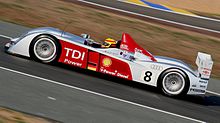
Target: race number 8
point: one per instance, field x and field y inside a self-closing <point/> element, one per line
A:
<point x="147" y="76"/>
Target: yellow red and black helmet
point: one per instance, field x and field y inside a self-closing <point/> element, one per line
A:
<point x="109" y="43"/>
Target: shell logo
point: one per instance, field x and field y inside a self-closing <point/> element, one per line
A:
<point x="107" y="62"/>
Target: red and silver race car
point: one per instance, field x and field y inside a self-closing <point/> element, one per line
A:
<point x="126" y="60"/>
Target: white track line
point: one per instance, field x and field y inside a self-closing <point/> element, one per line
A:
<point x="195" y="16"/>
<point x="137" y="14"/>
<point x="214" y="93"/>
<point x="4" y="36"/>
<point x="103" y="95"/>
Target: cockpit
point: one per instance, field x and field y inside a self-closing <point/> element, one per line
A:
<point x="107" y="43"/>
<point x="127" y="45"/>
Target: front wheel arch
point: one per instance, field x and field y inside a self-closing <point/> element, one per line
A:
<point x="56" y="41"/>
<point x="179" y="71"/>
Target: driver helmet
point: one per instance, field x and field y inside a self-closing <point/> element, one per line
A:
<point x="109" y="43"/>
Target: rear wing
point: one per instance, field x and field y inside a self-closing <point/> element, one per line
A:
<point x="204" y="63"/>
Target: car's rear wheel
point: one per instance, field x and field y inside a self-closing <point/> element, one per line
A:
<point x="174" y="82"/>
<point x="45" y="48"/>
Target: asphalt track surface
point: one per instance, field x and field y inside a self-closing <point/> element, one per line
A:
<point x="197" y="24"/>
<point x="65" y="104"/>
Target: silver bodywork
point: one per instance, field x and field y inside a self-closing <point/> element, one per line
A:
<point x="23" y="42"/>
<point x="197" y="85"/>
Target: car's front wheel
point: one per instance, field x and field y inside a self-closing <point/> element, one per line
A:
<point x="174" y="82"/>
<point x="44" y="48"/>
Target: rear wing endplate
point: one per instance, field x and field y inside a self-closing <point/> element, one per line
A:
<point x="204" y="63"/>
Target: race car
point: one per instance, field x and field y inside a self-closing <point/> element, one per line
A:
<point x="126" y="60"/>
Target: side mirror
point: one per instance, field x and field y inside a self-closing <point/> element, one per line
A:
<point x="86" y="36"/>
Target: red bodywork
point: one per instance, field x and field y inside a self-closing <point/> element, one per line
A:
<point x="82" y="57"/>
<point x="128" y="44"/>
<point x="78" y="56"/>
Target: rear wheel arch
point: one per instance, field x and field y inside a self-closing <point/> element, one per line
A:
<point x="178" y="72"/>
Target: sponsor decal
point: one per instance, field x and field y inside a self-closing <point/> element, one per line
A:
<point x="205" y="72"/>
<point x="202" y="86"/>
<point x="206" y="69"/>
<point x="107" y="62"/>
<point x="203" y="81"/>
<point x="67" y="61"/>
<point x="197" y="90"/>
<point x="75" y="54"/>
<point x="112" y="53"/>
<point x="138" y="50"/>
<point x="156" y="67"/>
<point x="193" y="85"/>
<point x="73" y="57"/>
<point x="113" y="73"/>
<point x="114" y="67"/>
<point x="124" y="46"/>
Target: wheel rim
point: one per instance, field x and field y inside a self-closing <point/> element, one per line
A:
<point x="173" y="83"/>
<point x="45" y="49"/>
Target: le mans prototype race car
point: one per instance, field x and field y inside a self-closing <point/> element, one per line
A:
<point x="128" y="60"/>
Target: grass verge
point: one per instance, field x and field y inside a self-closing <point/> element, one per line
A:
<point x="10" y="116"/>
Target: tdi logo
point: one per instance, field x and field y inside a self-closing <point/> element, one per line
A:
<point x="75" y="54"/>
